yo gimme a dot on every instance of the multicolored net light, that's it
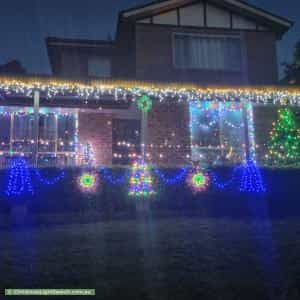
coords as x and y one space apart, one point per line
198 180
88 182
141 183
144 103
19 181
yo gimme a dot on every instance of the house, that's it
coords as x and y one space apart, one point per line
212 43
208 42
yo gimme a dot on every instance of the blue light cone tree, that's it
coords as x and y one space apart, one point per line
19 180
251 180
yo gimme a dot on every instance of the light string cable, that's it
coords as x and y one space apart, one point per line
51 181
171 180
113 179
223 185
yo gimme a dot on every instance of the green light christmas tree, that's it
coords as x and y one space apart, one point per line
284 146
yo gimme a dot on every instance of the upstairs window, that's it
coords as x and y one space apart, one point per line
217 53
99 67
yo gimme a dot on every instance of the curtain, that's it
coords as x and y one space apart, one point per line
208 53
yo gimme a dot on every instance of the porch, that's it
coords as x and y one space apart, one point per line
54 123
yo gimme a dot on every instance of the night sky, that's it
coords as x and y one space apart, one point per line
25 24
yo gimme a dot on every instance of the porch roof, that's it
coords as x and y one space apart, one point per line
95 93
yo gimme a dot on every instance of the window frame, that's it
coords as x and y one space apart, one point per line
207 35
56 152
219 148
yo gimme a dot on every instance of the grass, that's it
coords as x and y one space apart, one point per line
168 258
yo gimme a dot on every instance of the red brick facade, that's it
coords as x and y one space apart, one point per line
169 134
154 57
261 61
96 129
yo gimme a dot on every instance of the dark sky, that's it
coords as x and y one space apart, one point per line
24 24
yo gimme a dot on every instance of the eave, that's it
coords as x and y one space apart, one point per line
56 92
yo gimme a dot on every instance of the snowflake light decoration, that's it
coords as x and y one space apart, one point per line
197 180
88 182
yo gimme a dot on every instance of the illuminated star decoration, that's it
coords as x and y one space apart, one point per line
197 180
144 103
88 182
141 180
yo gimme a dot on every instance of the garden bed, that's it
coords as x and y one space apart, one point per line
280 199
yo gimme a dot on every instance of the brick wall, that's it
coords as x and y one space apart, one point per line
261 57
124 62
263 117
96 128
168 124
154 57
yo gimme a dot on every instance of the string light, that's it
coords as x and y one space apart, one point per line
223 185
172 180
52 181
251 132
197 180
22 142
88 155
112 179
251 180
88 182
122 90
19 181
211 134
141 181
284 145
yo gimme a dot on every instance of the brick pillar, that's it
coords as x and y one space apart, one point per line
169 134
263 117
96 129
